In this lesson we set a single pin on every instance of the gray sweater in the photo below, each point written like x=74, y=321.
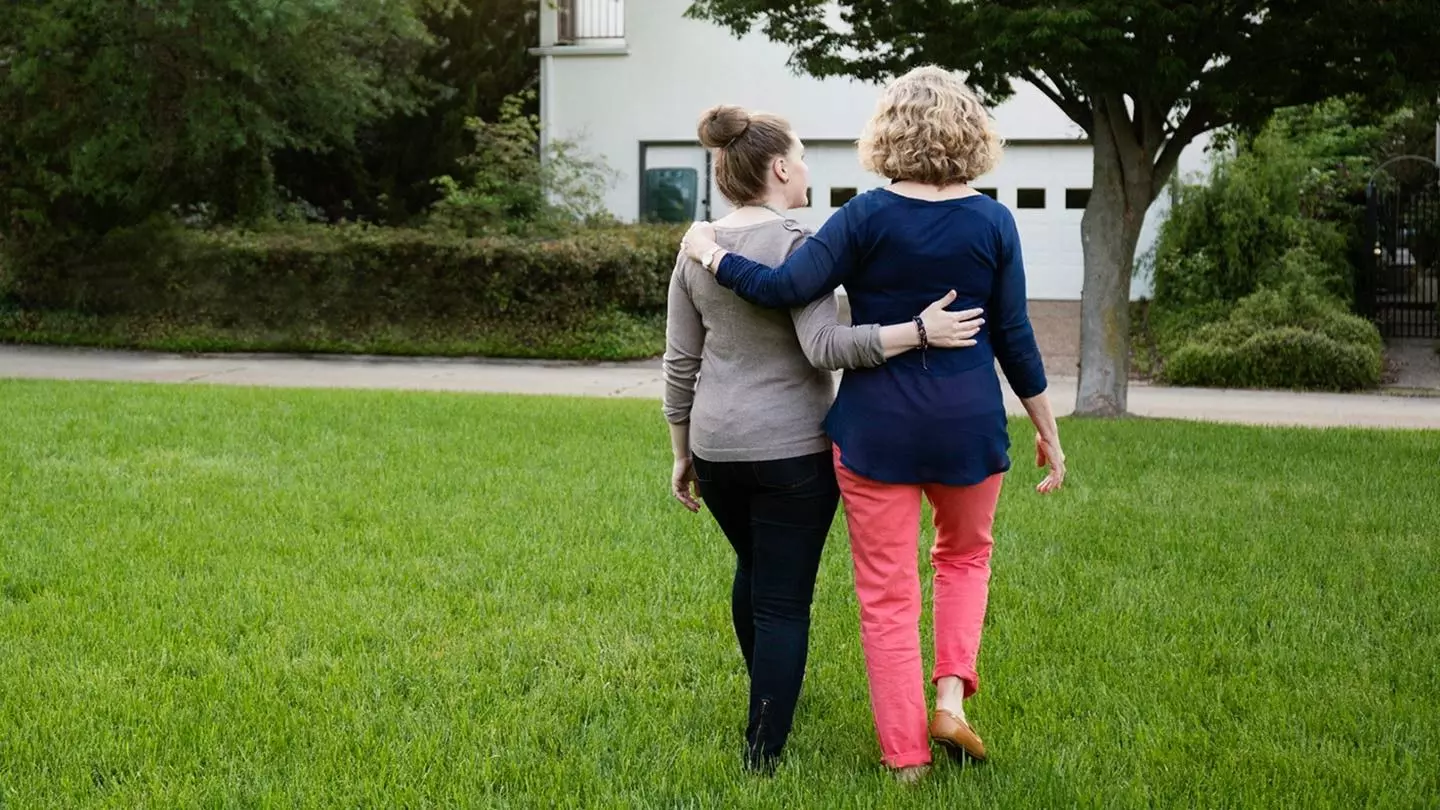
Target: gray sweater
x=752, y=381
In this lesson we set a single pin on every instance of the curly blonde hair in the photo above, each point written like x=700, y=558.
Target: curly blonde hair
x=930, y=128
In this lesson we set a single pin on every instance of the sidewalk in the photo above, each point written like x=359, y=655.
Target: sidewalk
x=643, y=380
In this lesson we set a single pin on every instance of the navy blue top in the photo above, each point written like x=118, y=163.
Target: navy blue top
x=936, y=416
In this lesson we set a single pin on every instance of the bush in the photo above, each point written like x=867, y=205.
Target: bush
x=507, y=188
x=1284, y=338
x=1288, y=203
x=355, y=280
x=1287, y=357
x=1232, y=237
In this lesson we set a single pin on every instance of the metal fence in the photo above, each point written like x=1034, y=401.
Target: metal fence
x=1399, y=287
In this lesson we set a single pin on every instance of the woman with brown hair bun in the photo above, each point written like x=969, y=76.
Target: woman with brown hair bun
x=746, y=392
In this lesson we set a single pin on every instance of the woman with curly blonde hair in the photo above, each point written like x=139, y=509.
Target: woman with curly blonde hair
x=930, y=422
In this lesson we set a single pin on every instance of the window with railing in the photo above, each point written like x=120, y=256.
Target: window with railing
x=583, y=21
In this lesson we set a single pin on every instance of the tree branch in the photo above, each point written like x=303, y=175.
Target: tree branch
x=1068, y=102
x=1122, y=129
x=1196, y=121
x=1151, y=118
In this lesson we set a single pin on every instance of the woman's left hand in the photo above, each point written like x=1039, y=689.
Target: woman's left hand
x=699, y=240
x=1051, y=454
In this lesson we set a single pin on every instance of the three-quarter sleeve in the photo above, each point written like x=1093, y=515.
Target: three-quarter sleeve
x=684, y=343
x=820, y=265
x=1011, y=334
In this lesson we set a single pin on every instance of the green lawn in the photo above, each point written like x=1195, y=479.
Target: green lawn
x=220, y=597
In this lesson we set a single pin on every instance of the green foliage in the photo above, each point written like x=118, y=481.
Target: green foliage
x=330, y=285
x=1226, y=63
x=1287, y=205
x=511, y=189
x=1276, y=358
x=1142, y=78
x=1290, y=337
x=1266, y=248
x=610, y=335
x=481, y=57
x=113, y=112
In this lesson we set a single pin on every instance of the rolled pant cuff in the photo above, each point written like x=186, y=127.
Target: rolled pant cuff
x=909, y=759
x=970, y=680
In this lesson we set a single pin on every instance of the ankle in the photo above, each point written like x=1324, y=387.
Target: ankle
x=950, y=695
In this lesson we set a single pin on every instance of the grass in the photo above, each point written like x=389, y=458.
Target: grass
x=221, y=597
x=607, y=336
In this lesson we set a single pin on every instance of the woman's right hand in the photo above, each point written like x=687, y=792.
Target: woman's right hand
x=951, y=330
x=698, y=241
x=683, y=485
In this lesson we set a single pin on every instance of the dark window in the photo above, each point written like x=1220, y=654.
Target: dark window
x=1030, y=198
x=840, y=196
x=1077, y=197
x=993, y=194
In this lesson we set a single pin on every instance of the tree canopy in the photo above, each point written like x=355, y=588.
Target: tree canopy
x=112, y=111
x=1143, y=78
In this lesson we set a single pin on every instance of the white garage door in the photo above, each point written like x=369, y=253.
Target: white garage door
x=1046, y=186
x=835, y=177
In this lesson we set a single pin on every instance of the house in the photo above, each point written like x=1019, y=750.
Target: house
x=629, y=78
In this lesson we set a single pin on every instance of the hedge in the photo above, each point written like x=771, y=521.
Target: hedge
x=1281, y=339
x=352, y=288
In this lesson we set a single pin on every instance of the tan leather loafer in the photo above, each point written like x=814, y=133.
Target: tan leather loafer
x=955, y=735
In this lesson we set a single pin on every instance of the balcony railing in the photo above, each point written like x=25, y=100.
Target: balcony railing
x=591, y=21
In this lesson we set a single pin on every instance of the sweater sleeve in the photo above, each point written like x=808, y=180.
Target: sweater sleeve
x=820, y=265
x=684, y=343
x=1011, y=334
x=828, y=344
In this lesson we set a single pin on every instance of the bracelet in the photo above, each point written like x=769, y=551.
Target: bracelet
x=924, y=342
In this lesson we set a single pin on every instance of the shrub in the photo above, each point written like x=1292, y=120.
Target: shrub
x=1288, y=203
x=1244, y=232
x=356, y=278
x=507, y=188
x=1287, y=357
x=1295, y=306
x=1290, y=337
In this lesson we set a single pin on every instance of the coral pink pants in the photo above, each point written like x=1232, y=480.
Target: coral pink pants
x=884, y=521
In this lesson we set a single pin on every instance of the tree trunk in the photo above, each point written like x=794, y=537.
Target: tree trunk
x=1110, y=232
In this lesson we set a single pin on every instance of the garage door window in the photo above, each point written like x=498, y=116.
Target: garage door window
x=1077, y=198
x=993, y=194
x=840, y=196
x=1030, y=198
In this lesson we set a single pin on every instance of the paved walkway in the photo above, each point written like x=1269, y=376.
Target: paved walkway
x=643, y=380
x=1414, y=363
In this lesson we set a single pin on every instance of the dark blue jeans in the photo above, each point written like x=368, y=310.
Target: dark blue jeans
x=776, y=515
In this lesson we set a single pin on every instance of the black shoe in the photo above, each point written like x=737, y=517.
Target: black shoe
x=762, y=755
x=760, y=764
